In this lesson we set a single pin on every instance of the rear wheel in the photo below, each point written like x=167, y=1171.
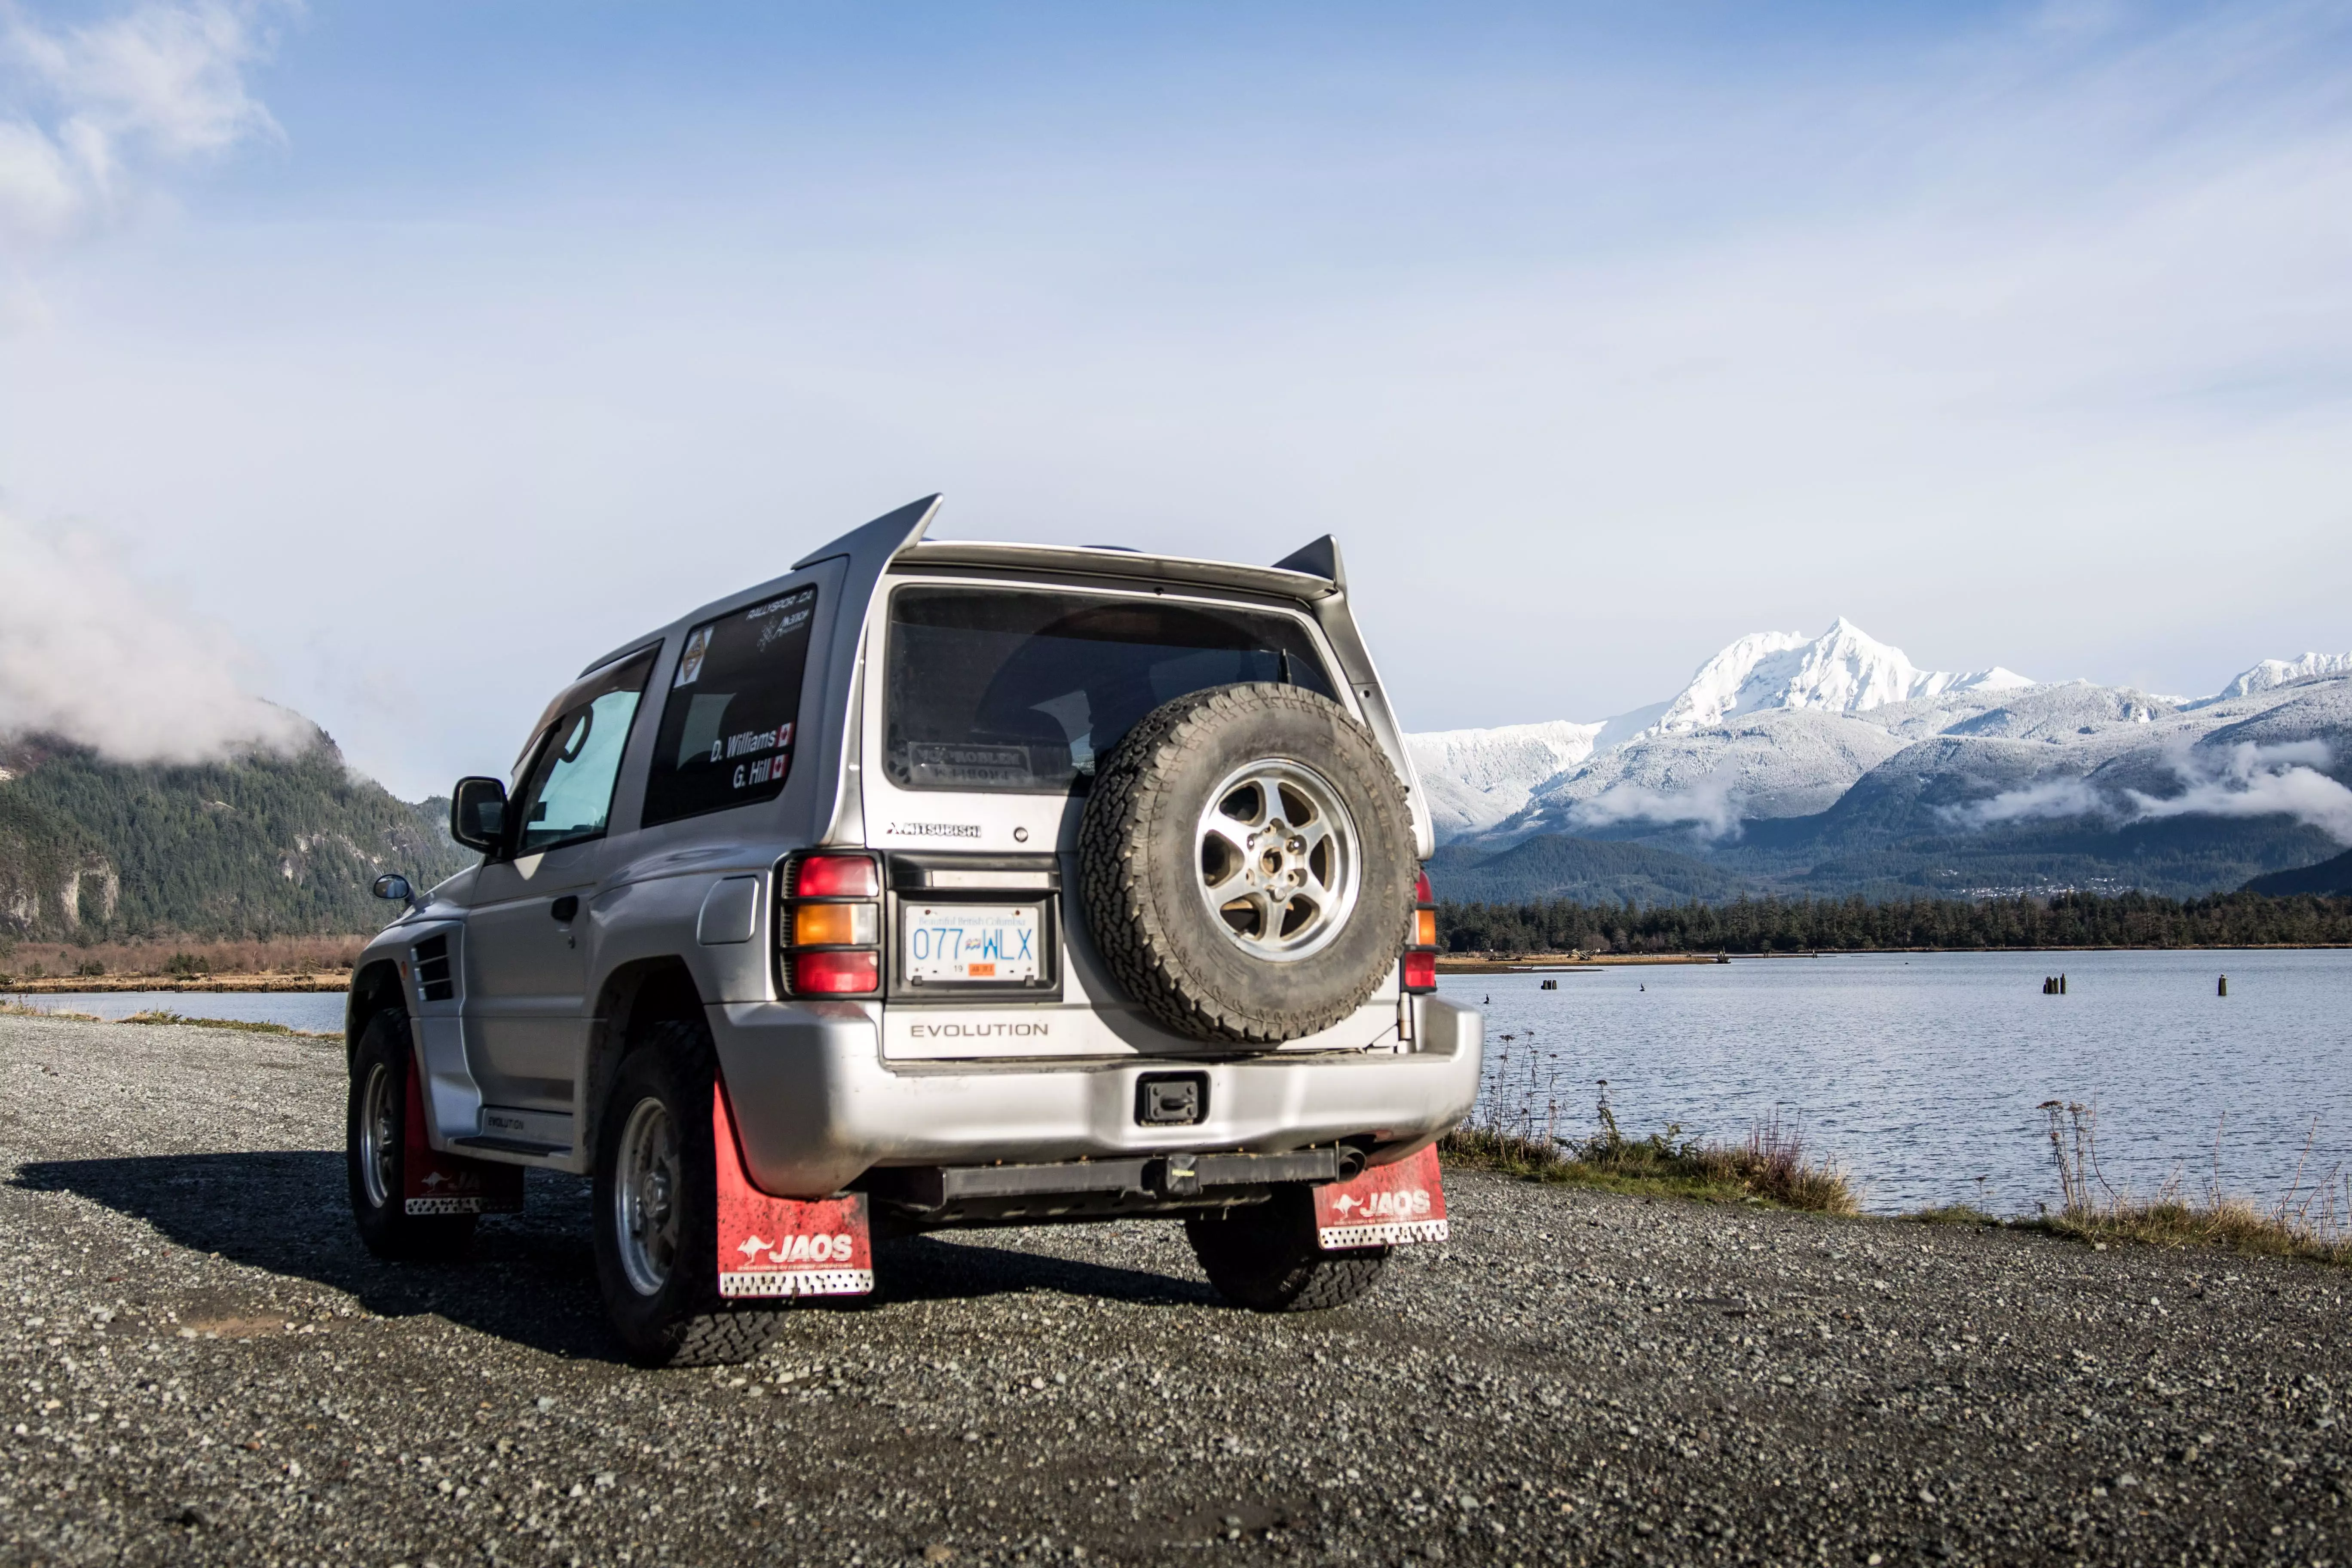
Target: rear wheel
x=375, y=1145
x=656, y=1208
x=1265, y=1257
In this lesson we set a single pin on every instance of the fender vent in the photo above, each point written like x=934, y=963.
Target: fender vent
x=433, y=983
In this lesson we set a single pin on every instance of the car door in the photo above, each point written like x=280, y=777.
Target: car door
x=526, y=1008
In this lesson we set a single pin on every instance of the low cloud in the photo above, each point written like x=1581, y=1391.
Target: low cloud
x=86, y=112
x=90, y=655
x=1710, y=809
x=2043, y=802
x=2246, y=779
x=2251, y=780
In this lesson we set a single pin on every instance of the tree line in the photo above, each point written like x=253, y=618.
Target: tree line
x=1856, y=924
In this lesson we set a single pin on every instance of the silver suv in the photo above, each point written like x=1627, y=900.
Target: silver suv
x=931, y=884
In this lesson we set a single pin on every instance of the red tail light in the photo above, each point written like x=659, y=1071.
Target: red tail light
x=837, y=974
x=839, y=877
x=829, y=925
x=1421, y=949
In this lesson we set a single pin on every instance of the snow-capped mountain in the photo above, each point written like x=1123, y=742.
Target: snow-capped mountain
x=1478, y=780
x=1844, y=670
x=2273, y=672
x=1841, y=735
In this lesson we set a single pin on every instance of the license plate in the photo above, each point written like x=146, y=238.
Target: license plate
x=970, y=943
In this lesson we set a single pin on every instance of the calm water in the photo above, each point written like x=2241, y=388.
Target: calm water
x=319, y=1011
x=1921, y=1074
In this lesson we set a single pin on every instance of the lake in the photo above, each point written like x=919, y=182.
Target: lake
x=1920, y=1073
x=320, y=1011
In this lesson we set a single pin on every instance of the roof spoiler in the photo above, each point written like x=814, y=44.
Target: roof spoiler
x=1320, y=559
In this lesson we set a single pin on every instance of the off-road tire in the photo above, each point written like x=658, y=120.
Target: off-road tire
x=1139, y=864
x=1264, y=1256
x=386, y=1227
x=685, y=1322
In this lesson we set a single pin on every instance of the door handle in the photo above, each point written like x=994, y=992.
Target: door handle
x=564, y=908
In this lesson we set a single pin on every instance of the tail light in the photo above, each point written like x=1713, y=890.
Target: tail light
x=1421, y=953
x=829, y=924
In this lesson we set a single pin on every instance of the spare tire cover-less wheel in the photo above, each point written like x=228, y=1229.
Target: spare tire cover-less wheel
x=1248, y=864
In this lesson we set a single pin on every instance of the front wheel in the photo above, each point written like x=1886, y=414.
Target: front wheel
x=656, y=1208
x=375, y=1148
x=1265, y=1257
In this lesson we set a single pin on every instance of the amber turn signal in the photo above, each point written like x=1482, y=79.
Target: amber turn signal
x=836, y=925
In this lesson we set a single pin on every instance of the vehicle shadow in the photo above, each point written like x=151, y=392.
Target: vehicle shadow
x=950, y=1268
x=530, y=1277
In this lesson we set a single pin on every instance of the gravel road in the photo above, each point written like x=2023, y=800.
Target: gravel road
x=201, y=1364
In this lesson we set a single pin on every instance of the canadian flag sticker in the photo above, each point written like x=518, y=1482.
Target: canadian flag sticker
x=1387, y=1206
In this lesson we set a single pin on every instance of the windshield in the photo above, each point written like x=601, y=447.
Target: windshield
x=1022, y=690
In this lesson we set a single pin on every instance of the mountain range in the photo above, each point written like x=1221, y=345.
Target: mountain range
x=266, y=843
x=1831, y=764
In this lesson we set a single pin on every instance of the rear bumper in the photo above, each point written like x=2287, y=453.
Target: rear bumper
x=816, y=1106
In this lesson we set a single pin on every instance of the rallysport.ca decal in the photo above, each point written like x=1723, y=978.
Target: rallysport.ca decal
x=783, y=1246
x=1388, y=1206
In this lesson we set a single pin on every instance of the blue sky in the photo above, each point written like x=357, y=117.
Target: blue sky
x=412, y=353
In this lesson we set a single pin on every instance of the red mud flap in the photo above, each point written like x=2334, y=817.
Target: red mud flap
x=1388, y=1206
x=782, y=1246
x=435, y=1184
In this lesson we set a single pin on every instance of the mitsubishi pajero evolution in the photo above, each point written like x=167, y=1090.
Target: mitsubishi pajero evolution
x=931, y=884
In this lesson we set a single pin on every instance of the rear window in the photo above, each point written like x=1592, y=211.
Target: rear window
x=997, y=689
x=726, y=735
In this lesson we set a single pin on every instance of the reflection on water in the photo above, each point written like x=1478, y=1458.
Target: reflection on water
x=1921, y=1074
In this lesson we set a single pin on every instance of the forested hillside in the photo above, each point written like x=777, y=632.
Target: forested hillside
x=258, y=846
x=1809, y=925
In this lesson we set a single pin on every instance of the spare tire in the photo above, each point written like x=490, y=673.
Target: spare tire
x=1247, y=863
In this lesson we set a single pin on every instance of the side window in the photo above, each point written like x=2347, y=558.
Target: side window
x=568, y=796
x=726, y=735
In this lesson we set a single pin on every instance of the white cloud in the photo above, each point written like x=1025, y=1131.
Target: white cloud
x=2047, y=800
x=1711, y=809
x=2251, y=780
x=2247, y=780
x=90, y=655
x=90, y=109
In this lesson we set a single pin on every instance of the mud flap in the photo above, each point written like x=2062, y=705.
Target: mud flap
x=783, y=1246
x=1388, y=1206
x=435, y=1184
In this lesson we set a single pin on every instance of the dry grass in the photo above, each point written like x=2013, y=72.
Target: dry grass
x=247, y=1026
x=170, y=957
x=1769, y=1167
x=2313, y=1220
x=9, y=1009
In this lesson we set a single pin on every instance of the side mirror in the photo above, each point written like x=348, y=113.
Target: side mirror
x=393, y=885
x=478, y=814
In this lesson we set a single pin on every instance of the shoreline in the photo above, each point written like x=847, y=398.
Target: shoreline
x=54, y=984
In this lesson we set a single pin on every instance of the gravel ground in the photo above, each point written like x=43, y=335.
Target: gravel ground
x=201, y=1364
